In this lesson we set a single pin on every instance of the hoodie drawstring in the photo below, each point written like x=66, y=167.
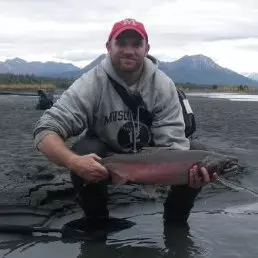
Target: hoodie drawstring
x=135, y=134
x=138, y=121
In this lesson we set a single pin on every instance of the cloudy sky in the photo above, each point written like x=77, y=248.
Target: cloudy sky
x=76, y=30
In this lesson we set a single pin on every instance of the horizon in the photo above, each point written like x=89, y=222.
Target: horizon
x=88, y=62
x=224, y=31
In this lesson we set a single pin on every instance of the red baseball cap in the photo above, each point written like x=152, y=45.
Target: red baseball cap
x=128, y=24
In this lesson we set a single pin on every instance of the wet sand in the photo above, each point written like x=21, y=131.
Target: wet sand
x=34, y=191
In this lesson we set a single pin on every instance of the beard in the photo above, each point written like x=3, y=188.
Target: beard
x=126, y=64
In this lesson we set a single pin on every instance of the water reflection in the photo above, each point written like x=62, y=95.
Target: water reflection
x=177, y=240
x=172, y=241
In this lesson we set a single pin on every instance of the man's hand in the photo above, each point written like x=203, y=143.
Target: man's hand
x=200, y=178
x=88, y=167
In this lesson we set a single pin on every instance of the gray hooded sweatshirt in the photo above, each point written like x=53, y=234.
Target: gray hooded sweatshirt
x=92, y=103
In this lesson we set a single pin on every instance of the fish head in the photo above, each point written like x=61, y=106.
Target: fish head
x=220, y=164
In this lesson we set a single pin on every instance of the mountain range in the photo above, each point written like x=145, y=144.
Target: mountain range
x=200, y=69
x=195, y=69
x=20, y=66
x=253, y=76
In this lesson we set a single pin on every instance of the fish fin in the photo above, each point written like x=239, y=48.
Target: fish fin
x=117, y=174
x=118, y=180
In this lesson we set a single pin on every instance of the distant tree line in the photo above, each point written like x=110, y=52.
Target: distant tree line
x=215, y=87
x=9, y=79
x=240, y=87
x=17, y=79
x=62, y=83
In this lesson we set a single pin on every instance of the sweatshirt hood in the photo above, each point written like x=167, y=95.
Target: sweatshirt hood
x=149, y=68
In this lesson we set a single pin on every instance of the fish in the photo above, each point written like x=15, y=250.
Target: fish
x=164, y=166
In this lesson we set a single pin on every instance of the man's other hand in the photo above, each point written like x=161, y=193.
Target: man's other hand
x=199, y=177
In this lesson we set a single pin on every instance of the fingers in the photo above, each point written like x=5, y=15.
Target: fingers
x=194, y=179
x=199, y=177
x=89, y=168
x=191, y=176
x=95, y=156
x=214, y=177
x=204, y=175
x=101, y=169
x=95, y=162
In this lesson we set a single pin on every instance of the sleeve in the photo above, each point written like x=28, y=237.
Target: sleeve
x=168, y=128
x=71, y=114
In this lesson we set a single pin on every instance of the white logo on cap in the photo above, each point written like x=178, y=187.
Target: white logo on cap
x=129, y=22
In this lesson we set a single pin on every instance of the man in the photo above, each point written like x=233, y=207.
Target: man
x=92, y=106
x=45, y=100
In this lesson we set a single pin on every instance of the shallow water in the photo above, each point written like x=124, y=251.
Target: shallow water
x=211, y=234
x=223, y=223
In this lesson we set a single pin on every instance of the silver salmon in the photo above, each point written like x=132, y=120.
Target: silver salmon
x=164, y=166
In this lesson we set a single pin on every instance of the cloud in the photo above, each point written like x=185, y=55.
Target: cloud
x=73, y=30
x=78, y=55
x=68, y=11
x=248, y=45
